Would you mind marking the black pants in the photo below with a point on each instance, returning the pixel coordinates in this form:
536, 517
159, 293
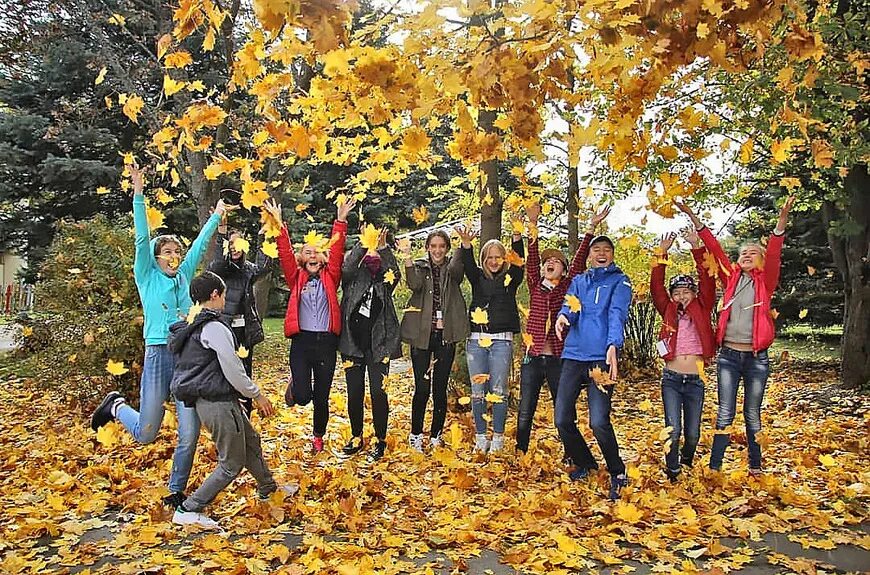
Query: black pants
431, 381
356, 388
535, 368
312, 355
248, 362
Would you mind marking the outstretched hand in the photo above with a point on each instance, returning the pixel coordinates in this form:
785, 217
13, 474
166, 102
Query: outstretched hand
136, 178
783, 214
465, 234
691, 236
599, 217
533, 211
666, 242
345, 208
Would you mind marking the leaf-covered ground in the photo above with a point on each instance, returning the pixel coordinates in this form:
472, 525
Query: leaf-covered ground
72, 502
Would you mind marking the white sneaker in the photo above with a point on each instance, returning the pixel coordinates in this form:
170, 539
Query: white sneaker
435, 441
182, 517
481, 443
497, 443
416, 442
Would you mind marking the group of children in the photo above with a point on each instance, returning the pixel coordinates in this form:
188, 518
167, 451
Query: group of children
574, 332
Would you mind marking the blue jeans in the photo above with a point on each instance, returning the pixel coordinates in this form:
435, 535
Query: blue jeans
145, 424
754, 369
494, 361
535, 369
575, 376
683, 396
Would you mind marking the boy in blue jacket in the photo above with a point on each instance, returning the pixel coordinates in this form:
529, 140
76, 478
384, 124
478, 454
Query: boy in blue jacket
162, 275
594, 313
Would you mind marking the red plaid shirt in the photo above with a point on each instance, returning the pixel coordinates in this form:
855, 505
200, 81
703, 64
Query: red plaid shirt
544, 304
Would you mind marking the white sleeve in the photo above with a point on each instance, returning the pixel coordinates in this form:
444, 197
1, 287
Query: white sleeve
218, 338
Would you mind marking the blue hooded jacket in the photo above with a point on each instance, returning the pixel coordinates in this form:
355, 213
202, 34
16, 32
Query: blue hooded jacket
165, 299
604, 294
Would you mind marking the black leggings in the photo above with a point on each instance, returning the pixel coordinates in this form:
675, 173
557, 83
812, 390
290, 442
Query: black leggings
312, 353
356, 388
429, 378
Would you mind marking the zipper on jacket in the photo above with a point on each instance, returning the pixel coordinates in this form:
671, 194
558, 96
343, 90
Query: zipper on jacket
597, 290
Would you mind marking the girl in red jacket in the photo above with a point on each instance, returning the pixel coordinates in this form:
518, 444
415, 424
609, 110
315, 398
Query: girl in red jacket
745, 331
686, 343
313, 318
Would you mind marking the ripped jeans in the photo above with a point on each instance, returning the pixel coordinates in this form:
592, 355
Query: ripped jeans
494, 361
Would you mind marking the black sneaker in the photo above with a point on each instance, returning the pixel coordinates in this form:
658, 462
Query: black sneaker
174, 500
673, 476
377, 452
617, 482
103, 413
353, 446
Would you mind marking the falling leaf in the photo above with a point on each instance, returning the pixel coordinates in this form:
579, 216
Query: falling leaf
823, 154
100, 77
803, 313
484, 342
699, 365
745, 154
155, 217
242, 352
464, 400
241, 245
171, 86
420, 214
494, 398
507, 280
573, 302
254, 194
390, 277
116, 367
528, 341
370, 238
116, 19
132, 107
411, 310
347, 364
193, 312
479, 316
811, 270
480, 378
26, 331
270, 249
600, 377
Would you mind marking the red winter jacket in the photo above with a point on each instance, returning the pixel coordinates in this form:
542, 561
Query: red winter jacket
699, 309
765, 280
297, 277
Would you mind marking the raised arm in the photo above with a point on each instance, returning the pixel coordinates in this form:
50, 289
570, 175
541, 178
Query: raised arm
472, 272
657, 278
772, 260
516, 271
413, 276
533, 262
710, 242
218, 263
456, 267
336, 250
352, 262
706, 280
144, 259
200, 244
578, 264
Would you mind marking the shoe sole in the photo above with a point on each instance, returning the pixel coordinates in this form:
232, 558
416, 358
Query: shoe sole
106, 400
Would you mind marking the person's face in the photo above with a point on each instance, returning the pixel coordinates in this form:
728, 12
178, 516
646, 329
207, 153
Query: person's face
683, 296
437, 249
234, 253
494, 260
311, 259
751, 257
169, 258
553, 269
600, 255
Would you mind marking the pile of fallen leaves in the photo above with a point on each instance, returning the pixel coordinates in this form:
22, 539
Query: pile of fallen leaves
420, 513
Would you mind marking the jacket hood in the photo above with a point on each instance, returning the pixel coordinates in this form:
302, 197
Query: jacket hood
605, 271
180, 331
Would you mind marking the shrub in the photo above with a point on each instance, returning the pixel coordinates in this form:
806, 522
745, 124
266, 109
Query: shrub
88, 311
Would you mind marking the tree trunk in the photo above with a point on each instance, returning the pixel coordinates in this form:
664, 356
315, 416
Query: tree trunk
573, 210
851, 251
490, 196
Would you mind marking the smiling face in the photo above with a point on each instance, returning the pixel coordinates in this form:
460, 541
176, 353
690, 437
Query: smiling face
600, 255
553, 269
234, 253
311, 259
751, 257
169, 258
493, 258
437, 249
683, 296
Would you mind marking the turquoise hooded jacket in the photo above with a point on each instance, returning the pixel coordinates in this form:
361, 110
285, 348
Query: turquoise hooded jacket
165, 299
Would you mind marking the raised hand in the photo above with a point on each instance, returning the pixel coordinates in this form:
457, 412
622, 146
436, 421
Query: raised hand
783, 214
136, 178
345, 208
688, 211
382, 238
404, 245
691, 236
273, 208
533, 211
599, 217
666, 242
466, 235
221, 208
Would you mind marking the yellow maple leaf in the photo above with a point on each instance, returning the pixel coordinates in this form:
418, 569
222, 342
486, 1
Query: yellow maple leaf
132, 107
528, 341
116, 19
347, 364
26, 331
789, 182
171, 86
317, 241
699, 364
710, 264
390, 277
628, 512
827, 460
241, 245
774, 313
103, 190
370, 237
645, 405
270, 249
254, 194
480, 378
514, 259
745, 154
116, 367
107, 435
243, 352
479, 316
494, 398
154, 216
180, 59
573, 302
193, 312
507, 280
702, 30
100, 77
803, 313
463, 401
301, 208
485, 342
781, 149
600, 377
420, 214
823, 154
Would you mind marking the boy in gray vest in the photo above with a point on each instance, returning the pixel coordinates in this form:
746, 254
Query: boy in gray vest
210, 377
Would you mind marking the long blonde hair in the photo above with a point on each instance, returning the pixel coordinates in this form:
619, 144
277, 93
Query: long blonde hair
484, 252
